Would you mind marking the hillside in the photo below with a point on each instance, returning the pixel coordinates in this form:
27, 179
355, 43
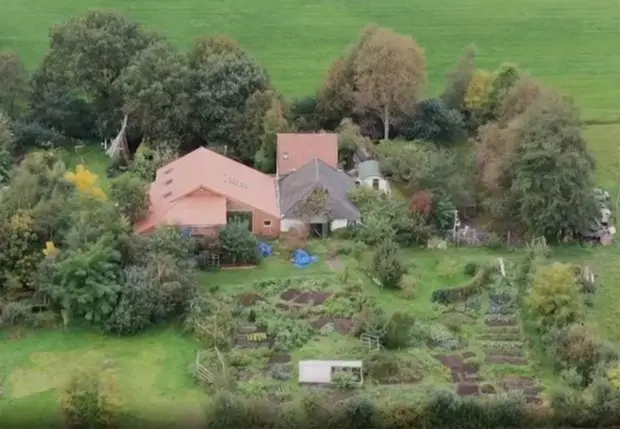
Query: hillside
571, 44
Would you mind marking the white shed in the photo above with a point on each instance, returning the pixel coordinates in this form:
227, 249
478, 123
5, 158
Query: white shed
369, 174
322, 371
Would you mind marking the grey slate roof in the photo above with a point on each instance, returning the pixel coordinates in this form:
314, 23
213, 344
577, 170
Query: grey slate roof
296, 186
368, 168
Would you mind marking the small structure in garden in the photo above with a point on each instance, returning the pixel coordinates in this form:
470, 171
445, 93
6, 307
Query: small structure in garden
323, 371
373, 342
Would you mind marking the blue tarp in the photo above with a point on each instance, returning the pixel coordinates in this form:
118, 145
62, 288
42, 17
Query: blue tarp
302, 259
264, 249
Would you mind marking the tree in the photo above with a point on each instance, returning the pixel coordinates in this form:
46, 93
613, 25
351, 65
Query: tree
84, 282
459, 79
88, 400
551, 172
7, 144
85, 181
148, 160
223, 77
433, 121
336, 98
21, 252
313, 205
350, 139
262, 120
504, 80
477, 96
89, 53
13, 84
154, 87
555, 297
238, 244
130, 193
386, 265
421, 203
390, 74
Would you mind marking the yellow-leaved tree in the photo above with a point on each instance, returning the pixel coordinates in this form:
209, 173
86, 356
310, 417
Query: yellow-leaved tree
479, 90
555, 296
50, 249
85, 181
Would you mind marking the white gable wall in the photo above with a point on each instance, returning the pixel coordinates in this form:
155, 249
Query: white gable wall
384, 185
291, 223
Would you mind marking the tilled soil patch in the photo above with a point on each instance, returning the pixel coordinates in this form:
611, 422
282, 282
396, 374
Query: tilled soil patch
280, 358
467, 389
505, 360
503, 329
298, 297
502, 323
247, 299
341, 325
460, 370
508, 336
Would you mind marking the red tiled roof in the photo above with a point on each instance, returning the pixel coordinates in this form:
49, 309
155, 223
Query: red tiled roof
297, 149
205, 169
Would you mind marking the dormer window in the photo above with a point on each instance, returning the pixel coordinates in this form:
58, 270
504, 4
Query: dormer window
167, 182
168, 171
167, 194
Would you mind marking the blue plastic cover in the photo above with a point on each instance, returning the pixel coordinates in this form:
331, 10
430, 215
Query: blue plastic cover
302, 259
264, 249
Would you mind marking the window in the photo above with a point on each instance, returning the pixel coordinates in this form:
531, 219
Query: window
167, 194
267, 223
285, 155
375, 184
169, 181
168, 171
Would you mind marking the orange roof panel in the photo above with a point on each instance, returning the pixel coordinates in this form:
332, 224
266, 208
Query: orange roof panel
294, 150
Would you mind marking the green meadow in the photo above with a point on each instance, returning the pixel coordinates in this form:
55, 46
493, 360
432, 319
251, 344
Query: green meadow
572, 44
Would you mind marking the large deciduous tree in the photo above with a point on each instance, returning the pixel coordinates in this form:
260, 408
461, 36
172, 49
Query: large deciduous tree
390, 74
551, 174
130, 193
155, 88
87, 55
223, 77
13, 84
459, 78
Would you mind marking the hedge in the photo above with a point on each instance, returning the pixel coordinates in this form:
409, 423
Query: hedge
461, 293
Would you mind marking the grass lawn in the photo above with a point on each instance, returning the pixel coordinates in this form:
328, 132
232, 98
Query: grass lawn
569, 43
151, 372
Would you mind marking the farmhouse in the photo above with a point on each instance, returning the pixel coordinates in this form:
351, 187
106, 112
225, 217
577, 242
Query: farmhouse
308, 163
203, 190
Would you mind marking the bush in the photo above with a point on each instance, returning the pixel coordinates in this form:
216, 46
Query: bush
470, 269
386, 265
88, 401
461, 293
239, 245
434, 122
344, 380
554, 297
398, 331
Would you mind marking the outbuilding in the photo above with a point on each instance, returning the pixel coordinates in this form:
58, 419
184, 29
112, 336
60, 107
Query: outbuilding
369, 174
323, 371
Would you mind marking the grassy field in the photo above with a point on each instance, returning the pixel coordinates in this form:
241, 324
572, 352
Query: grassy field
569, 43
151, 372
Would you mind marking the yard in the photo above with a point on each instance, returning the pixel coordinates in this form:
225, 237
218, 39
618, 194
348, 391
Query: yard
570, 44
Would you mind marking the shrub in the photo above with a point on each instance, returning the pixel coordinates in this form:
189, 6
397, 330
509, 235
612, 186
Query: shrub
398, 331
470, 269
579, 347
344, 380
239, 245
89, 400
461, 293
386, 265
554, 297
360, 413
421, 203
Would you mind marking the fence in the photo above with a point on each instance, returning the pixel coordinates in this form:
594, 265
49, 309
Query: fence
473, 237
